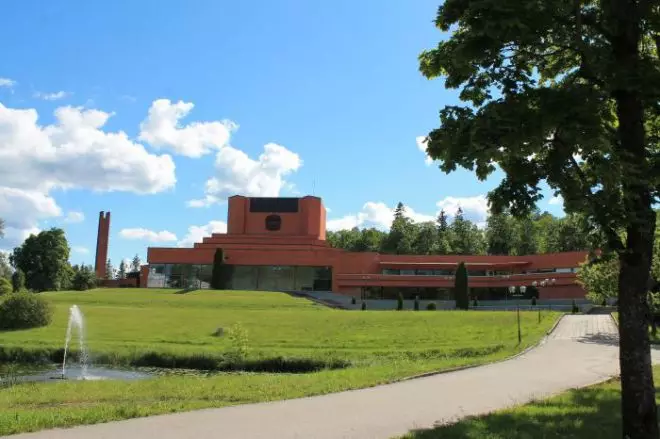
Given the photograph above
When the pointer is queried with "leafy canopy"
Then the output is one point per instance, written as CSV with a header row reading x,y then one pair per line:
x,y
540,80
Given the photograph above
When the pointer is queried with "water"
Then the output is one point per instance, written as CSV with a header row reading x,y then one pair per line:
x,y
77,323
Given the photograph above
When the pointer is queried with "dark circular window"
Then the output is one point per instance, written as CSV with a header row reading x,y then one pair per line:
x,y
273,223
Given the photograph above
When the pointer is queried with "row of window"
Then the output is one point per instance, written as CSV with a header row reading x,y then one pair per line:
x,y
427,272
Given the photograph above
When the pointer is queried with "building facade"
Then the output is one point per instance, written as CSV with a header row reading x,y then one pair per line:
x,y
280,244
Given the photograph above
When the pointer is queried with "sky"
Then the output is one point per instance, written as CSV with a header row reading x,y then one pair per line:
x,y
158,111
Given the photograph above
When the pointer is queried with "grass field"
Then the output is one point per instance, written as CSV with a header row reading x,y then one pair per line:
x,y
124,326
593,412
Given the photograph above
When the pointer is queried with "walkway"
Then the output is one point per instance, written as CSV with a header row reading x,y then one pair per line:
x,y
581,351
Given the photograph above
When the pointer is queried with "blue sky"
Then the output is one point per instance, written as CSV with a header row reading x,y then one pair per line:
x,y
328,94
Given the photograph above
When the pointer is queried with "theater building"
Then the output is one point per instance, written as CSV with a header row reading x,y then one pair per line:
x,y
280,244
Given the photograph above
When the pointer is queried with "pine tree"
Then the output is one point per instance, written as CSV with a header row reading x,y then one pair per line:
x,y
121,273
136,263
442,246
109,270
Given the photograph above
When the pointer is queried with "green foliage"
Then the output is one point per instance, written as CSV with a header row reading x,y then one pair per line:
x,y
5,286
461,292
109,270
401,237
500,234
416,306
353,300
600,278
23,311
18,280
238,343
44,258
84,278
431,306
399,302
533,301
364,306
574,307
121,273
221,274
465,237
136,263
5,268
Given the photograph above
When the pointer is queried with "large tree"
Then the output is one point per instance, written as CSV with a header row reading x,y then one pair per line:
x,y
499,234
565,92
401,236
44,259
465,236
136,263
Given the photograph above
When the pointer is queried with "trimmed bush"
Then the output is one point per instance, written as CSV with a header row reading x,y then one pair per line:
x,y
353,301
18,281
431,307
5,286
461,287
399,302
574,308
475,302
23,311
533,301
416,303
364,306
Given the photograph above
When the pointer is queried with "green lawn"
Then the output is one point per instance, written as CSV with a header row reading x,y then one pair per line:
x,y
588,413
125,325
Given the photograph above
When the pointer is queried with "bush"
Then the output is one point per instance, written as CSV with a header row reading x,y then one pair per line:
x,y
574,308
18,281
431,307
353,301
416,303
399,302
238,343
5,286
23,311
475,302
461,287
364,306
84,279
533,301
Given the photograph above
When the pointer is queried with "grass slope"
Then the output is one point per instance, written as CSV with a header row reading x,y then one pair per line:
x,y
593,412
380,346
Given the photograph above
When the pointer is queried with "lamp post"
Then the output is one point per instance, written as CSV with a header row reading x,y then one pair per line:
x,y
512,290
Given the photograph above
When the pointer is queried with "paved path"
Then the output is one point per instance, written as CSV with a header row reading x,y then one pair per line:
x,y
581,351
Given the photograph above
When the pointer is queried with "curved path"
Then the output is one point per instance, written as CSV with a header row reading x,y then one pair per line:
x,y
582,350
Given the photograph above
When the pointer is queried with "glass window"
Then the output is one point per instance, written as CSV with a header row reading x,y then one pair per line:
x,y
443,272
407,272
476,272
391,271
425,272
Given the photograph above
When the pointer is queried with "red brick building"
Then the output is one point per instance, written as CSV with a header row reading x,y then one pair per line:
x,y
279,244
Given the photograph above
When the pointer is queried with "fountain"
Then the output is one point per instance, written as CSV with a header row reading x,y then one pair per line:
x,y
76,322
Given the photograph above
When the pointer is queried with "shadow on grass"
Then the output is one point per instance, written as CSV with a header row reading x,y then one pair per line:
x,y
585,413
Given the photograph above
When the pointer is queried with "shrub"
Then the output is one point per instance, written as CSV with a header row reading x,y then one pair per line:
x,y
364,306
18,281
5,286
238,343
416,303
475,302
574,307
461,287
604,302
533,301
23,311
399,302
353,301
431,307
84,279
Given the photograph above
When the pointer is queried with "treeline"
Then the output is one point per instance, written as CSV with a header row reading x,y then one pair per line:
x,y
41,263
502,235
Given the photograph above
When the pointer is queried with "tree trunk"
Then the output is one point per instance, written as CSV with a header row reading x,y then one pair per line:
x,y
638,408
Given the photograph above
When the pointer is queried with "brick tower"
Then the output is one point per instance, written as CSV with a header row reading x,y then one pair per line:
x,y
102,244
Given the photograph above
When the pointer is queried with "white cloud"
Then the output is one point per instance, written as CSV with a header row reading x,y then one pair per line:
x,y
374,214
74,152
197,233
52,96
474,208
74,217
556,200
239,174
161,129
6,82
80,250
147,235
421,145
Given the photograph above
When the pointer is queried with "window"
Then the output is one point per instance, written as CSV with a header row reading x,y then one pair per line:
x,y
273,205
476,272
391,271
425,272
407,272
